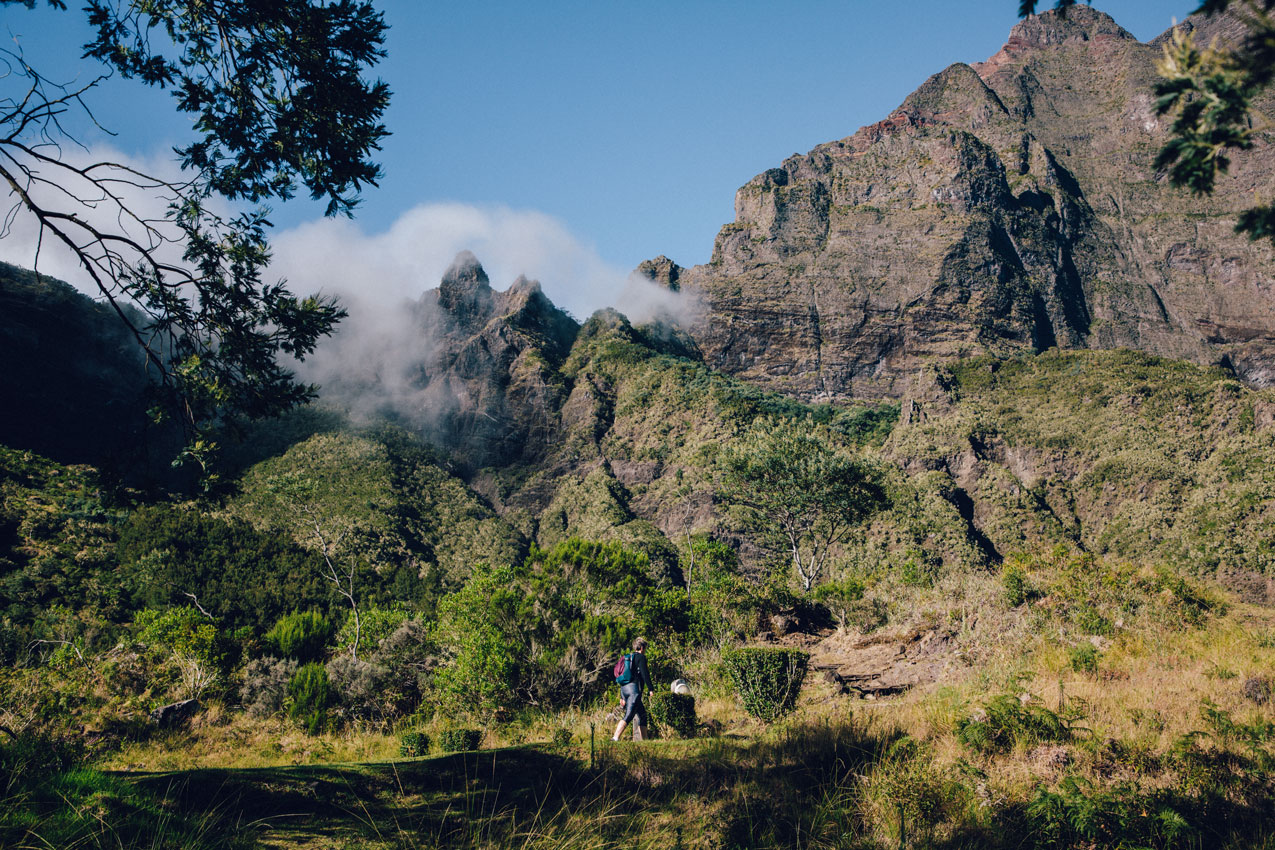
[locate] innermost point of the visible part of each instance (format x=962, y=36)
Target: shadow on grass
x=783, y=790
x=416, y=803
x=799, y=787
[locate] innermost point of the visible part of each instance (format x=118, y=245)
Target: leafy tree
x=1211, y=90
x=278, y=99
x=725, y=606
x=332, y=493
x=480, y=629
x=805, y=494
x=548, y=630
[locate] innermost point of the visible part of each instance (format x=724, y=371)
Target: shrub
x=181, y=632
x=265, y=684
x=413, y=744
x=1258, y=689
x=674, y=711
x=309, y=695
x=301, y=635
x=544, y=629
x=363, y=687
x=375, y=625
x=1081, y=815
x=562, y=737
x=1084, y=658
x=841, y=598
x=459, y=740
x=1008, y=720
x=912, y=795
x=767, y=680
x=1017, y=589
x=29, y=756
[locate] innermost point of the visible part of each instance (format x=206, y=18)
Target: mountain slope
x=74, y=383
x=1007, y=206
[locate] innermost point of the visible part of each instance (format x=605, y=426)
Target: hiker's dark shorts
x=633, y=703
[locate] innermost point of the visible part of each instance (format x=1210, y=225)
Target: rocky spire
x=465, y=290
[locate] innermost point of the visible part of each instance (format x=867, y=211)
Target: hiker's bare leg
x=619, y=730
x=640, y=733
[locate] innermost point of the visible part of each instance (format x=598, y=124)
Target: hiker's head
x=639, y=645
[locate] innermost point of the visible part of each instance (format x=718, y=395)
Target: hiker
x=631, y=691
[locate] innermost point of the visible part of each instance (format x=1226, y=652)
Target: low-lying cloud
x=374, y=361
x=336, y=256
x=124, y=203
x=373, y=364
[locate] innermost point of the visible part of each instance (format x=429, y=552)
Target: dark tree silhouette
x=279, y=101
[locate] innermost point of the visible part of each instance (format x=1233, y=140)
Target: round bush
x=767, y=679
x=459, y=740
x=302, y=635
x=674, y=711
x=310, y=694
x=1017, y=589
x=413, y=744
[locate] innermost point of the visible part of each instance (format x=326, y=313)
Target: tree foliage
x=1211, y=91
x=806, y=494
x=548, y=631
x=302, y=635
x=175, y=556
x=309, y=697
x=278, y=98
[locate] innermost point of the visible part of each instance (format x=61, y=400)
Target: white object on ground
x=680, y=686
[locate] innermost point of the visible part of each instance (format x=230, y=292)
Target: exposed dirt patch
x=877, y=666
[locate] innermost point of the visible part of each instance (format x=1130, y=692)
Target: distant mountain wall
x=1007, y=206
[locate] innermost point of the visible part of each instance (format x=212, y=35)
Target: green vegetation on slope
x=1115, y=452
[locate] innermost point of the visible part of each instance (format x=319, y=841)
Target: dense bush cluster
x=549, y=630
x=674, y=711
x=301, y=635
x=310, y=696
x=767, y=679
x=459, y=739
x=413, y=744
x=1011, y=720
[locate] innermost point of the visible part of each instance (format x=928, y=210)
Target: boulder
x=175, y=713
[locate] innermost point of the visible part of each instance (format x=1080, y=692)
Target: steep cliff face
x=1007, y=206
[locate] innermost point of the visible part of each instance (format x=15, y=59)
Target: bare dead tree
x=342, y=578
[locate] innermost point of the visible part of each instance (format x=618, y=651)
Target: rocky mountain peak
x=465, y=290
x=662, y=271
x=524, y=288
x=1005, y=207
x=1080, y=23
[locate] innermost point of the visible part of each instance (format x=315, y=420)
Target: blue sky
x=627, y=125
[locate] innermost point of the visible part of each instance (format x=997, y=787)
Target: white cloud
x=127, y=208
x=336, y=256
x=372, y=365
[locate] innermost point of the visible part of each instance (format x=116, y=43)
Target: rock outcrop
x=1007, y=206
x=492, y=378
